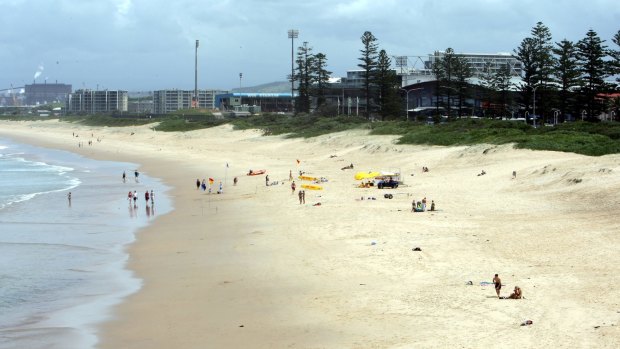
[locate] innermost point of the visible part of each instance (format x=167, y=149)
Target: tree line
x=565, y=78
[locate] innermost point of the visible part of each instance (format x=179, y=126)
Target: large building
x=255, y=102
x=419, y=69
x=166, y=101
x=97, y=102
x=37, y=94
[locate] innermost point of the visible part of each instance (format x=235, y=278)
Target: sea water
x=63, y=262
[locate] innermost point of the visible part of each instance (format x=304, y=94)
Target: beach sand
x=253, y=268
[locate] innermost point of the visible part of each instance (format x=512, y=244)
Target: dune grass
x=594, y=139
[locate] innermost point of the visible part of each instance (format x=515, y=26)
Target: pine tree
x=444, y=69
x=305, y=62
x=545, y=62
x=526, y=54
x=566, y=74
x=321, y=78
x=462, y=72
x=385, y=79
x=590, y=54
x=615, y=56
x=368, y=64
x=503, y=85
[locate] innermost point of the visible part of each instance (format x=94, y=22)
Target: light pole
x=407, y=97
x=196, y=78
x=534, y=105
x=240, y=77
x=293, y=34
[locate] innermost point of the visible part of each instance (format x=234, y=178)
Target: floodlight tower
x=293, y=34
x=196, y=78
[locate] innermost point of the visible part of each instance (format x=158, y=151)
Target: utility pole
x=195, y=104
x=240, y=77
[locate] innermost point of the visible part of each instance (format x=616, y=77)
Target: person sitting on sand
x=516, y=294
x=350, y=167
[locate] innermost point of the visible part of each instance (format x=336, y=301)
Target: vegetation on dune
x=300, y=125
x=579, y=137
x=594, y=139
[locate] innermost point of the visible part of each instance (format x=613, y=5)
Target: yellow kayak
x=307, y=178
x=312, y=187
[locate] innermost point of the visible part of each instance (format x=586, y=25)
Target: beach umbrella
x=365, y=175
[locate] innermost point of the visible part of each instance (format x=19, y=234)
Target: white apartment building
x=166, y=101
x=96, y=102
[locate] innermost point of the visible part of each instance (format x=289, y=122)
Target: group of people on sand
x=420, y=206
x=203, y=185
x=516, y=293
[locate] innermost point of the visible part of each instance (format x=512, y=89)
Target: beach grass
x=299, y=125
x=593, y=139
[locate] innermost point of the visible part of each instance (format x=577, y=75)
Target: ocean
x=62, y=261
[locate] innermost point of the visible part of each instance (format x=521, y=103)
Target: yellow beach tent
x=364, y=175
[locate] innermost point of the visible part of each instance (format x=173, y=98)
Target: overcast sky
x=142, y=45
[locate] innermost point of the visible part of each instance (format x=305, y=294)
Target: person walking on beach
x=129, y=196
x=300, y=196
x=152, y=197
x=290, y=175
x=69, y=198
x=124, y=177
x=235, y=180
x=147, y=196
x=293, y=187
x=498, y=284
x=135, y=198
x=267, y=180
x=136, y=174
x=197, y=183
x=303, y=196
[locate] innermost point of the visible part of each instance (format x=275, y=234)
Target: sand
x=252, y=268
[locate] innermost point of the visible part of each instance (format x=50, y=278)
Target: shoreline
x=253, y=268
x=82, y=243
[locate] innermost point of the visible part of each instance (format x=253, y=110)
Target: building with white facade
x=97, y=102
x=166, y=101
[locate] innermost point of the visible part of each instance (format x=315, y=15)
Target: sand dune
x=253, y=268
